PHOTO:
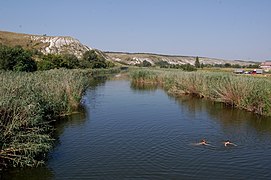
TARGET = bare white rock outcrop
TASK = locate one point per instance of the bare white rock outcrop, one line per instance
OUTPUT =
(60, 45)
(137, 58)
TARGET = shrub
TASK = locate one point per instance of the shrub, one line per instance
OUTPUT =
(52, 61)
(92, 59)
(28, 102)
(188, 67)
(70, 61)
(16, 59)
(163, 64)
(197, 63)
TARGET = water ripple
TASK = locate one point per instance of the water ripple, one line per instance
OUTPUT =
(146, 135)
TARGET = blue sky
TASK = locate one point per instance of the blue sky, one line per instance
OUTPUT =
(229, 29)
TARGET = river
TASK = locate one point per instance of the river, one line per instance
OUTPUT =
(130, 132)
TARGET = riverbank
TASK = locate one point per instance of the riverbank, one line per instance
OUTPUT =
(29, 102)
(244, 92)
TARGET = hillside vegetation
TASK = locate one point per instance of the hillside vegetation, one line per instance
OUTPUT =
(44, 44)
(18, 59)
(158, 59)
(36, 88)
(67, 45)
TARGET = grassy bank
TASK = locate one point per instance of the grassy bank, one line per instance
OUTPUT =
(29, 101)
(244, 92)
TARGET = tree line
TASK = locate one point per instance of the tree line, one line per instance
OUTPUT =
(197, 64)
(18, 59)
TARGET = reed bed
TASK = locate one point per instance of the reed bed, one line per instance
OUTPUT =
(244, 92)
(29, 101)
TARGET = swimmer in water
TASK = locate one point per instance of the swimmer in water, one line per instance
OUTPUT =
(227, 143)
(203, 142)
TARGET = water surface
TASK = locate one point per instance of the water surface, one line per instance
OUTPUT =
(132, 132)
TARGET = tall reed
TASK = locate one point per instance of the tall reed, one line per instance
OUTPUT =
(29, 101)
(245, 92)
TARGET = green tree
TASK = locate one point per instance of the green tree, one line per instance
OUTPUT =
(110, 64)
(163, 64)
(91, 59)
(227, 65)
(188, 67)
(16, 59)
(236, 66)
(253, 66)
(90, 56)
(197, 63)
(45, 65)
(52, 61)
(70, 61)
(25, 64)
(146, 63)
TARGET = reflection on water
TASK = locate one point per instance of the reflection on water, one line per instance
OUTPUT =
(77, 119)
(143, 86)
(130, 131)
(225, 115)
(28, 174)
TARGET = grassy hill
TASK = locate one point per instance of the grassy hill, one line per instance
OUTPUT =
(24, 40)
(137, 58)
(43, 43)
(66, 44)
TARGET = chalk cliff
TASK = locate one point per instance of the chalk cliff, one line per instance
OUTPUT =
(45, 44)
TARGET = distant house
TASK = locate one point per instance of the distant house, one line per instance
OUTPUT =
(239, 71)
(259, 71)
(266, 66)
(255, 71)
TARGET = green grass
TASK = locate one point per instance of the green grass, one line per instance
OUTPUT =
(29, 101)
(244, 92)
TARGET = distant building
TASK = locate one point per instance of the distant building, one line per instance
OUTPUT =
(259, 71)
(266, 66)
(255, 71)
(239, 71)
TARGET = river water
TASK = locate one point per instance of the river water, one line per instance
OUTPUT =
(130, 132)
